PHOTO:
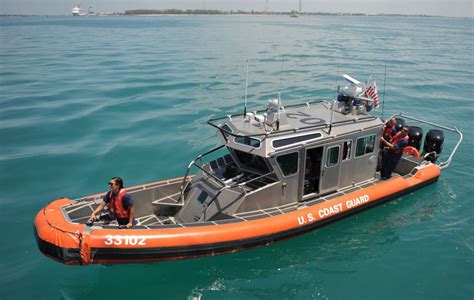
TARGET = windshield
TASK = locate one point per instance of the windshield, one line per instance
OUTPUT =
(251, 161)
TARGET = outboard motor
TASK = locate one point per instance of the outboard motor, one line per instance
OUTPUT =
(415, 134)
(400, 123)
(433, 145)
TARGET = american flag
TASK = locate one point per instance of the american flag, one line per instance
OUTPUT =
(371, 92)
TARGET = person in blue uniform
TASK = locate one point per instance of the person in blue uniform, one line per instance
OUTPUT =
(119, 202)
(393, 152)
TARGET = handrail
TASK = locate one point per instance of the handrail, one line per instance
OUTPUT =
(238, 185)
(193, 162)
(253, 179)
(446, 163)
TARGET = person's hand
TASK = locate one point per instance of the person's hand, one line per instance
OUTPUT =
(91, 220)
(129, 225)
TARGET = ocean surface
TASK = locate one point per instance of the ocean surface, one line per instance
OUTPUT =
(83, 99)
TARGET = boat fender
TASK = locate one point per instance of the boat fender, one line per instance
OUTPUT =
(411, 150)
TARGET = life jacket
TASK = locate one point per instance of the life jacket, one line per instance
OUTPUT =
(388, 131)
(116, 205)
(396, 138)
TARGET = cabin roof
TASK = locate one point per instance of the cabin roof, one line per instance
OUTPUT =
(308, 119)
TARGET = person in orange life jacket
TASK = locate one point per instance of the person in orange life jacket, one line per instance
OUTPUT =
(393, 152)
(120, 203)
(389, 129)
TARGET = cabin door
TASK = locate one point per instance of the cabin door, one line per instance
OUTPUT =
(330, 168)
(312, 172)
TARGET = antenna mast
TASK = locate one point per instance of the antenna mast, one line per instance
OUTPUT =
(246, 86)
(334, 101)
(384, 80)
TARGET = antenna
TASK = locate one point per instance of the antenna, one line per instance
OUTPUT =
(246, 87)
(334, 101)
(384, 80)
(281, 73)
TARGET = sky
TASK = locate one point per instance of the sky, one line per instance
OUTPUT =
(451, 8)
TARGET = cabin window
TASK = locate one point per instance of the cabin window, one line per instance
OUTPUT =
(288, 163)
(365, 145)
(226, 128)
(251, 161)
(294, 140)
(245, 140)
(346, 150)
(332, 156)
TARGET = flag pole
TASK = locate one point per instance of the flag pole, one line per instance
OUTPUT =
(384, 80)
(246, 87)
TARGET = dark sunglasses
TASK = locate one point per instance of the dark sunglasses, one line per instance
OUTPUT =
(111, 183)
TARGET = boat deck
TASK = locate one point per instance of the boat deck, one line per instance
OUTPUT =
(80, 211)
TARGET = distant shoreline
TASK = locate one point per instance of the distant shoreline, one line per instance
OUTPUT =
(201, 12)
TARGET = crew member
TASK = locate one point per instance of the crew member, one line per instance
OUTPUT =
(389, 129)
(393, 152)
(120, 204)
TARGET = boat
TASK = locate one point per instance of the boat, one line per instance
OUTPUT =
(77, 11)
(279, 172)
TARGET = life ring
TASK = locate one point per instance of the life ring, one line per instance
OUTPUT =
(411, 150)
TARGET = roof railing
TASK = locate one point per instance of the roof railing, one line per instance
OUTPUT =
(212, 122)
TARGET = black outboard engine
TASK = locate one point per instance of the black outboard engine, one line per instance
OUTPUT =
(415, 134)
(399, 124)
(433, 145)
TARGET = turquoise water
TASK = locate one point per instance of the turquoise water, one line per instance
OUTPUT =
(85, 99)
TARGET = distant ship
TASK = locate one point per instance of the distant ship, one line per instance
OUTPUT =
(77, 11)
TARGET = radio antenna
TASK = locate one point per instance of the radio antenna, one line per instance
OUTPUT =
(384, 80)
(281, 73)
(246, 87)
(334, 100)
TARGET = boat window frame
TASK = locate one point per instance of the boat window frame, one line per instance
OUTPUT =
(327, 156)
(295, 136)
(297, 164)
(246, 145)
(226, 135)
(350, 154)
(368, 153)
(236, 158)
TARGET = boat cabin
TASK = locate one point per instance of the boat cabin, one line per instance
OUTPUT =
(280, 156)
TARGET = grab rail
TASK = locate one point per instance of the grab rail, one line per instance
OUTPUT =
(193, 162)
(238, 185)
(214, 123)
(446, 163)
